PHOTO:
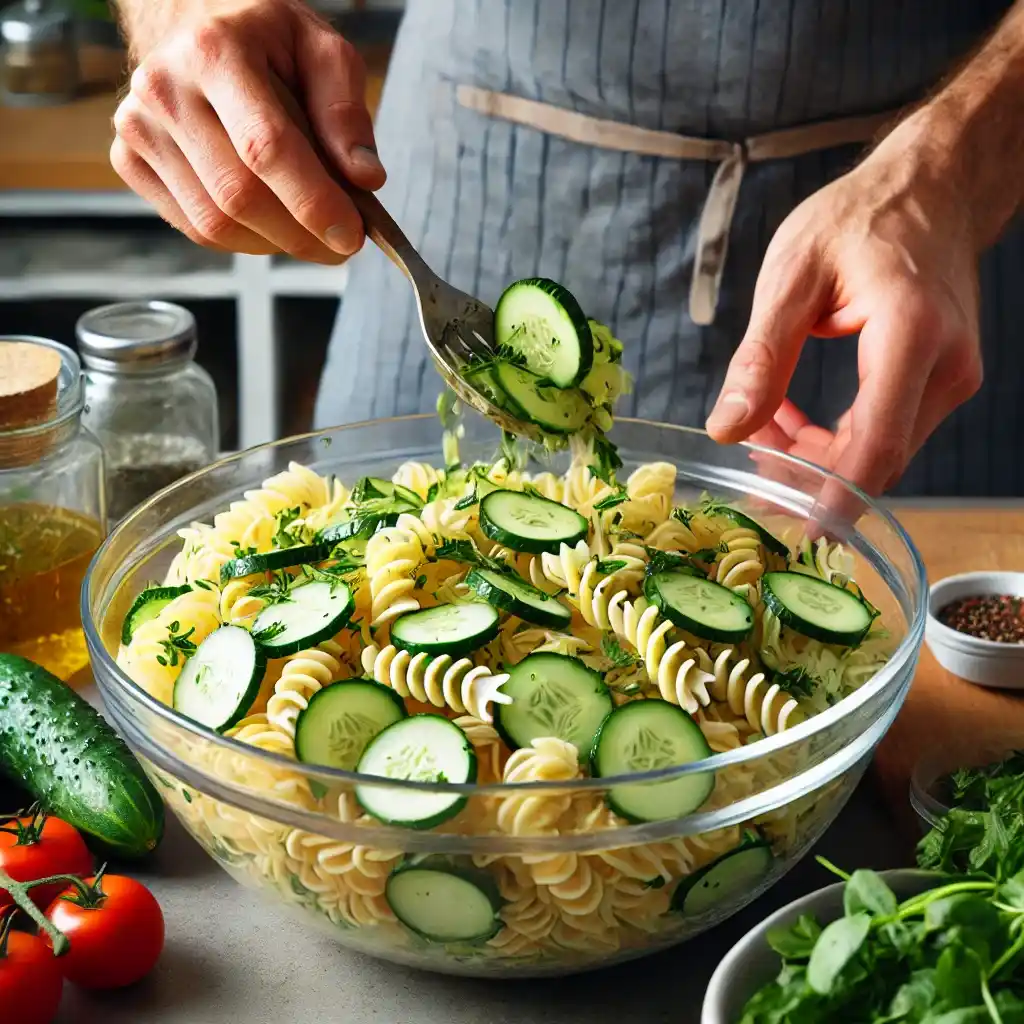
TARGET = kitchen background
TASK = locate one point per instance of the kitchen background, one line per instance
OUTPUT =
(72, 237)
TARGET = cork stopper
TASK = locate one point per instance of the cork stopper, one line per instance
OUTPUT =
(28, 384)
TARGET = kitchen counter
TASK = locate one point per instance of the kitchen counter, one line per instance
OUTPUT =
(233, 958)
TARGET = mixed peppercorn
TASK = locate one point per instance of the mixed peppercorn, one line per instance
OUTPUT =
(998, 617)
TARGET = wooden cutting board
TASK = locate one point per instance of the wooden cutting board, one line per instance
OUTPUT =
(944, 715)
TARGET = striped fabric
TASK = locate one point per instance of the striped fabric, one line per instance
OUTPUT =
(487, 202)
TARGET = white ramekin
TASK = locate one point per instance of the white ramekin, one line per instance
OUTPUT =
(985, 662)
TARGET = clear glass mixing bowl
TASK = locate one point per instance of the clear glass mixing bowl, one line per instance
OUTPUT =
(573, 900)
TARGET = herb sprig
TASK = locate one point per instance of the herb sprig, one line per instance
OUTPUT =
(178, 646)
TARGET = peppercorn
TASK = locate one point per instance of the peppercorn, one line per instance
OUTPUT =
(998, 617)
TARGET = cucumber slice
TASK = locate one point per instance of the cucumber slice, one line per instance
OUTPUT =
(553, 695)
(425, 748)
(220, 682)
(531, 398)
(769, 540)
(640, 737)
(370, 488)
(541, 322)
(445, 901)
(341, 719)
(147, 606)
(452, 629)
(700, 606)
(735, 872)
(272, 561)
(310, 614)
(530, 523)
(819, 610)
(514, 595)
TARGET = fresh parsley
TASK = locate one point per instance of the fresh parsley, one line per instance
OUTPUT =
(288, 532)
(664, 561)
(178, 646)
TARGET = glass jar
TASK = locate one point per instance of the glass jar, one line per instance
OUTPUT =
(52, 512)
(153, 409)
(38, 54)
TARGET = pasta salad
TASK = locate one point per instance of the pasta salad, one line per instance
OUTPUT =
(481, 624)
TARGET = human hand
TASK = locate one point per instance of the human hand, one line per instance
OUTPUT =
(887, 250)
(203, 136)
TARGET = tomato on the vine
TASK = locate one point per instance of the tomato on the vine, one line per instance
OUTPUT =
(116, 931)
(31, 981)
(37, 846)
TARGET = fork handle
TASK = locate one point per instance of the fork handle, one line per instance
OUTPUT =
(380, 226)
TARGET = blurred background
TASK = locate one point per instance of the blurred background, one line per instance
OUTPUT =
(72, 237)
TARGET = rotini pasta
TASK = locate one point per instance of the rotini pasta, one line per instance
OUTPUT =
(556, 905)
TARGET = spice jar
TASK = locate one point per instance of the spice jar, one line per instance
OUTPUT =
(52, 516)
(153, 409)
(38, 54)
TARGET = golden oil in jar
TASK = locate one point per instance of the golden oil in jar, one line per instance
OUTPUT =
(44, 554)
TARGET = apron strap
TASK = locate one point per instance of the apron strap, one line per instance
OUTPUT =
(732, 159)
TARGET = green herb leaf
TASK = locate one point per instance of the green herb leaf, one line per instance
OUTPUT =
(611, 501)
(797, 941)
(466, 551)
(797, 681)
(866, 892)
(606, 460)
(268, 633)
(610, 566)
(467, 502)
(617, 654)
(838, 944)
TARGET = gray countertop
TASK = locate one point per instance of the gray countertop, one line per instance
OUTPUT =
(233, 957)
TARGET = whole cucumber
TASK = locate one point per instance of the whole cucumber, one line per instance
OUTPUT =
(60, 749)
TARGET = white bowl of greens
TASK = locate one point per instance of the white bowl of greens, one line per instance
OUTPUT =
(944, 945)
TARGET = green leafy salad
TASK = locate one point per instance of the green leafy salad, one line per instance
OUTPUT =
(953, 954)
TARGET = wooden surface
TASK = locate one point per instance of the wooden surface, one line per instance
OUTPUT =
(67, 147)
(945, 716)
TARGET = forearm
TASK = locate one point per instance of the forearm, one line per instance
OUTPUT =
(969, 138)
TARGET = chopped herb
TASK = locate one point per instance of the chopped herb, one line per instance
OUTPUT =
(420, 582)
(611, 501)
(466, 551)
(606, 460)
(288, 532)
(665, 561)
(797, 681)
(241, 552)
(177, 646)
(617, 654)
(276, 589)
(271, 632)
(683, 515)
(433, 490)
(611, 565)
(204, 584)
(709, 554)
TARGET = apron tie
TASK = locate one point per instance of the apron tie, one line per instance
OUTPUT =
(732, 159)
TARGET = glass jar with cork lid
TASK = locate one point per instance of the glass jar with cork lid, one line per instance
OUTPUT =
(152, 408)
(52, 508)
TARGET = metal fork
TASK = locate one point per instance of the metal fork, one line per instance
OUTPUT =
(456, 327)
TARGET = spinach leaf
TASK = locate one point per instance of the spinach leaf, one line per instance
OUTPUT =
(837, 945)
(865, 891)
(797, 941)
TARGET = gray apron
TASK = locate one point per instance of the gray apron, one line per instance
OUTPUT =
(487, 198)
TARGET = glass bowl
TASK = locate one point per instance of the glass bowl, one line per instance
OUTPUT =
(579, 897)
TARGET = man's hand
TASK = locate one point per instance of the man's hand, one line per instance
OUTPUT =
(889, 250)
(205, 139)
(884, 251)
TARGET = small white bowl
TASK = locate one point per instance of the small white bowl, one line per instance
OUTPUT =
(985, 662)
(752, 963)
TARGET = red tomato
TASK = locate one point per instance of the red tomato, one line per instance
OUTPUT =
(115, 943)
(29, 851)
(30, 981)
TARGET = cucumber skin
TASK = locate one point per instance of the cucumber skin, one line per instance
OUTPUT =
(44, 726)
